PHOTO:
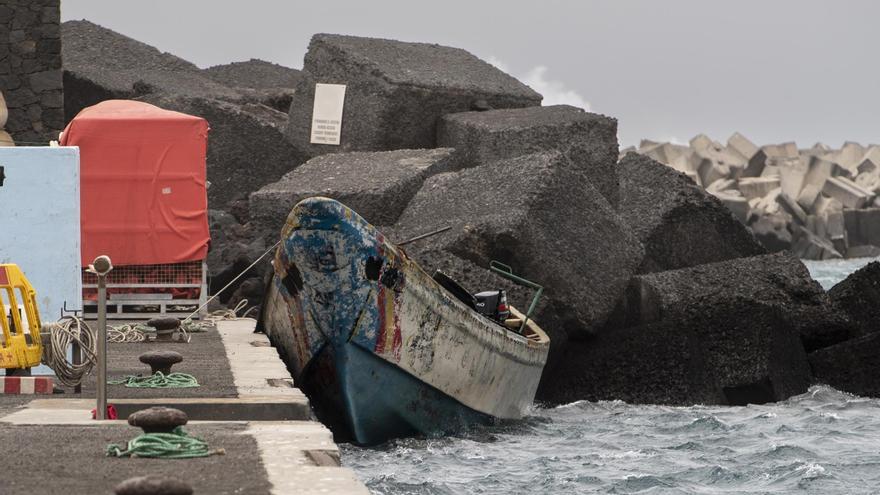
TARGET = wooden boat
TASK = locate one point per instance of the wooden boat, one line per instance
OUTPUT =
(380, 347)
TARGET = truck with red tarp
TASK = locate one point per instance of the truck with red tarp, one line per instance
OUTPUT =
(144, 203)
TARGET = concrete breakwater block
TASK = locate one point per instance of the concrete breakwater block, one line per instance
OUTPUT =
(588, 140)
(815, 188)
(679, 224)
(777, 281)
(735, 353)
(268, 83)
(376, 185)
(772, 231)
(858, 296)
(541, 217)
(649, 364)
(100, 64)
(396, 91)
(852, 366)
(863, 226)
(246, 145)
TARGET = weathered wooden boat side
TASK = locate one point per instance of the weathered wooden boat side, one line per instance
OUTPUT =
(347, 303)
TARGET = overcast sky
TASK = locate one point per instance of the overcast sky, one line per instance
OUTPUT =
(801, 70)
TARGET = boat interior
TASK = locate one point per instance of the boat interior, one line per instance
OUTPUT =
(513, 323)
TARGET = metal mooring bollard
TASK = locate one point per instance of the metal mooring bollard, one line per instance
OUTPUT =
(153, 485)
(101, 267)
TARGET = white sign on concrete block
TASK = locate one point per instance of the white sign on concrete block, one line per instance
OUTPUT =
(327, 113)
(39, 223)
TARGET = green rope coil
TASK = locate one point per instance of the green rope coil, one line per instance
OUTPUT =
(158, 380)
(175, 445)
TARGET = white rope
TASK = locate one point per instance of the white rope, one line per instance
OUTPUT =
(118, 334)
(62, 335)
(189, 318)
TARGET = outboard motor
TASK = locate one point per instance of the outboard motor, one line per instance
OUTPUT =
(493, 304)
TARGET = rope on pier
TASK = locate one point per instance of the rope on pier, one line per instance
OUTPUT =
(136, 332)
(158, 380)
(175, 445)
(63, 334)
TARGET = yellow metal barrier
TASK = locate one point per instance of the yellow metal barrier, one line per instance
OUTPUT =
(21, 345)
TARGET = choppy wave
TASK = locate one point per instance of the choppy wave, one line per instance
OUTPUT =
(822, 442)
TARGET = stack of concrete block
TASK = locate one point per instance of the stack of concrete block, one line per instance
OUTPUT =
(377, 185)
(588, 140)
(396, 92)
(678, 223)
(246, 145)
(264, 82)
(824, 198)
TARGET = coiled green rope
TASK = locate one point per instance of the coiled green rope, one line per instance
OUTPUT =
(175, 445)
(158, 380)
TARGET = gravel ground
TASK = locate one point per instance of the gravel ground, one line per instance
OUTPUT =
(70, 460)
(204, 357)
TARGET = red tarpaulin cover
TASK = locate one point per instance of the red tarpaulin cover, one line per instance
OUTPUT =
(143, 183)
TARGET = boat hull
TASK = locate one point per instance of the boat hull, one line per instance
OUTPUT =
(378, 346)
(360, 410)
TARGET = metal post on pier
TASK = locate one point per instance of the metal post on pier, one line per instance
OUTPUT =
(101, 267)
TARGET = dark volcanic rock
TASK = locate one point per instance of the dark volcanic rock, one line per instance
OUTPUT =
(233, 249)
(100, 64)
(376, 185)
(772, 232)
(396, 91)
(679, 224)
(230, 240)
(852, 366)
(587, 139)
(270, 84)
(808, 245)
(732, 352)
(651, 364)
(862, 226)
(777, 280)
(858, 296)
(545, 220)
(246, 145)
(255, 74)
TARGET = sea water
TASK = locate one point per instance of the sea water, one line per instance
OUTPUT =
(823, 442)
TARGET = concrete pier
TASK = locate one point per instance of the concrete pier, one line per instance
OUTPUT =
(247, 405)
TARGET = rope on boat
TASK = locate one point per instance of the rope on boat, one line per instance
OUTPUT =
(175, 445)
(62, 335)
(158, 380)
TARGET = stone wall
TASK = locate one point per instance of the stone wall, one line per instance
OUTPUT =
(30, 69)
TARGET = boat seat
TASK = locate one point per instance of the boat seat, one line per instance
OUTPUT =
(455, 289)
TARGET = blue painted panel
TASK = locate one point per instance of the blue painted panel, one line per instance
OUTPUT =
(40, 224)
